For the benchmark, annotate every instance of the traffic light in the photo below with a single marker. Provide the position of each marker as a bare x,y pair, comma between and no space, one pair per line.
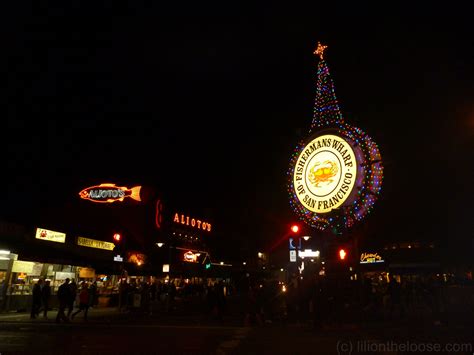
342,254
295,228
117,238
208,265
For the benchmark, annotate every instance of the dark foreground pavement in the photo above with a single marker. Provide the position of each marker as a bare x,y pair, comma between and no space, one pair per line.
188,329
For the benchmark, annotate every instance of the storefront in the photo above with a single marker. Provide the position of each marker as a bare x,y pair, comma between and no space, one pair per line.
38,253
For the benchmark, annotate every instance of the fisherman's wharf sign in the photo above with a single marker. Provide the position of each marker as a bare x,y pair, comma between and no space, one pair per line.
325,173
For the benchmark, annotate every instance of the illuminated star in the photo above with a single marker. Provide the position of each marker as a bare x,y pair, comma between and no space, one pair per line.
320,50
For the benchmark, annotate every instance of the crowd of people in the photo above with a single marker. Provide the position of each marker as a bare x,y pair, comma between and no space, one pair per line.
146,296
320,299
67,294
324,300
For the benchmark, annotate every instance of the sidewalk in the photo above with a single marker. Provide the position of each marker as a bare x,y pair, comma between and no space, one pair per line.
94,315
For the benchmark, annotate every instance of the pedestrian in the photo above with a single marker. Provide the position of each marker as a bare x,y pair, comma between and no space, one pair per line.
395,293
93,294
252,311
36,302
220,299
124,291
45,296
72,297
64,295
153,289
83,301
171,296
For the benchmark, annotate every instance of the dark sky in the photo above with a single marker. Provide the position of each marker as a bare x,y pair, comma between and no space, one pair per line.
206,103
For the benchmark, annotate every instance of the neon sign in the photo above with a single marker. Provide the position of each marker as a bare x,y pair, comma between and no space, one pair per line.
188,221
370,258
108,193
191,257
159,214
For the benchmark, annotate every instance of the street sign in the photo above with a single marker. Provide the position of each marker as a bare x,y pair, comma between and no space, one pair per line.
292,245
292,256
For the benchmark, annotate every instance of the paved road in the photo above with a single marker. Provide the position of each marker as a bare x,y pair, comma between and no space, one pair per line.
122,337
184,331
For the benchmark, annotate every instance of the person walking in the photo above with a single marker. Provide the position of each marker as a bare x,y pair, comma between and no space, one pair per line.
36,303
220,300
64,295
45,296
72,297
83,301
93,294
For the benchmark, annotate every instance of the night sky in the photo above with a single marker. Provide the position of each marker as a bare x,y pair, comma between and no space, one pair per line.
206,103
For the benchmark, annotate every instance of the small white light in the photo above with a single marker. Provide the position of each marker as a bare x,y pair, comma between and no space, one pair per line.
160,244
244,263
281,270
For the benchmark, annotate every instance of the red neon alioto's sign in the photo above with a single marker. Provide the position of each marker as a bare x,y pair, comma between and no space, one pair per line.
108,193
193,222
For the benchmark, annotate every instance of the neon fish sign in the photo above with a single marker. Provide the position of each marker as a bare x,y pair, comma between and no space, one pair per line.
108,193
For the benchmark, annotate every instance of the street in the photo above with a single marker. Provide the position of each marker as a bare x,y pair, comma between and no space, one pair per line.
110,332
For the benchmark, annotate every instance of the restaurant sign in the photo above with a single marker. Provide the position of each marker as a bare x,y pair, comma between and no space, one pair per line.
23,266
191,257
51,236
370,258
108,193
92,243
192,222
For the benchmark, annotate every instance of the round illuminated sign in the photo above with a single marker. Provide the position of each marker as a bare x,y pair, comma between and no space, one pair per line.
325,173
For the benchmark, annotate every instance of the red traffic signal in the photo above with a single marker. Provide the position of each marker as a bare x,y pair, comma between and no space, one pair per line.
342,254
117,237
295,228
